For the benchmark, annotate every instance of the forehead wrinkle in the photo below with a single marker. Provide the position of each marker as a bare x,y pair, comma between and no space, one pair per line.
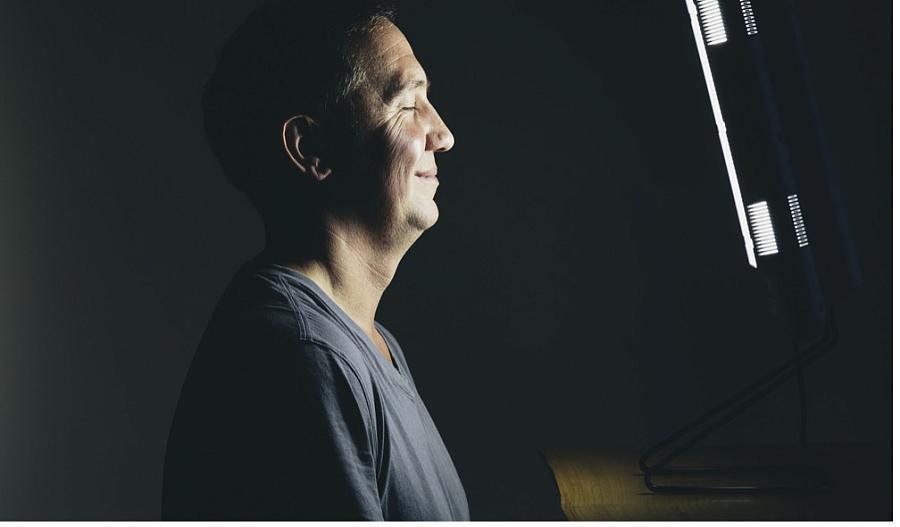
370,54
390,79
400,40
401,57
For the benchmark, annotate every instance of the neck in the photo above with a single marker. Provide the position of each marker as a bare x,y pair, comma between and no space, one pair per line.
352,266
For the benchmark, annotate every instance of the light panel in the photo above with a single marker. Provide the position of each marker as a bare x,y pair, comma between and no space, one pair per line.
797,218
763,231
712,22
723,133
749,18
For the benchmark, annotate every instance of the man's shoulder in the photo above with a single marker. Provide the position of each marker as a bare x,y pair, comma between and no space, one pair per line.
271,299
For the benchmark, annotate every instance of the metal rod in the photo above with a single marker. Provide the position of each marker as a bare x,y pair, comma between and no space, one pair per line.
748,391
738,404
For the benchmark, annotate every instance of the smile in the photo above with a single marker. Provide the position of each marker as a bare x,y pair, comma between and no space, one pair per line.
430,176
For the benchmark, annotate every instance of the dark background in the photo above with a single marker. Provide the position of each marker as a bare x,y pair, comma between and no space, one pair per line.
586,285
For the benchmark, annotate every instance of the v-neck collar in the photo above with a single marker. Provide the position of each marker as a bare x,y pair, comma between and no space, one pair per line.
393,372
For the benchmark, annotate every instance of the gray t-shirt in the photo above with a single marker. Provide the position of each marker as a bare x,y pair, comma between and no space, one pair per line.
289,411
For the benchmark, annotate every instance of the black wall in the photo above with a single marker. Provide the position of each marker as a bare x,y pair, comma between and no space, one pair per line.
585,286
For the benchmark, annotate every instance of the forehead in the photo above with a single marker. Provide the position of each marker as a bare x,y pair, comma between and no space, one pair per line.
390,57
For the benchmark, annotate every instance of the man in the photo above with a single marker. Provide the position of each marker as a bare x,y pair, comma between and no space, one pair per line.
298,404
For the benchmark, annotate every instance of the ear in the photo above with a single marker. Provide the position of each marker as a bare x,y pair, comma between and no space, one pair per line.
302,141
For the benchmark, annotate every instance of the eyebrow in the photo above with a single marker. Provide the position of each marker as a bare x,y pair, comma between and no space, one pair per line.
398,85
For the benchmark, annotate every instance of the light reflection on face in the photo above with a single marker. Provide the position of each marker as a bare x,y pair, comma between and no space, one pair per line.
400,133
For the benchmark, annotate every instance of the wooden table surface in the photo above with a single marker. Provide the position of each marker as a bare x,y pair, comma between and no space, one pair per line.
608,485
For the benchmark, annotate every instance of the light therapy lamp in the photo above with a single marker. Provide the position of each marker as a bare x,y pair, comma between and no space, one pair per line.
785,193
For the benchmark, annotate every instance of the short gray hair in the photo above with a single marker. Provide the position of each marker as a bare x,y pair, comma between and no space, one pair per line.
286,58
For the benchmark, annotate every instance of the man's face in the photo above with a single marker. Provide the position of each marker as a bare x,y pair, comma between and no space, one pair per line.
400,133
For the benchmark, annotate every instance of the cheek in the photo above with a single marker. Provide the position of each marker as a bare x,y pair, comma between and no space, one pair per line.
406,145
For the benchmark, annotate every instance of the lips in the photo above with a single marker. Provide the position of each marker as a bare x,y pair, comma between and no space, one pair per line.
428,174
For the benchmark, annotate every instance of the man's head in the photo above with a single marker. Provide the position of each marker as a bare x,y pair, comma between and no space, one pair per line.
323,111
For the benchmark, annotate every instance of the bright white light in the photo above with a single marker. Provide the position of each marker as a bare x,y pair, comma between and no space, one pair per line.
712,22
797,217
763,231
749,18
723,134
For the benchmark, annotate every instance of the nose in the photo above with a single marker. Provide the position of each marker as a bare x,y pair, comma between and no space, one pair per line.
439,137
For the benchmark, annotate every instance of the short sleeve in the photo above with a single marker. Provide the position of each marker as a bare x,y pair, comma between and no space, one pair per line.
335,410
327,469
271,425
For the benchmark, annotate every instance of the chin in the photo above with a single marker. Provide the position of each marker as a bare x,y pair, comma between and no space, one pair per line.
425,219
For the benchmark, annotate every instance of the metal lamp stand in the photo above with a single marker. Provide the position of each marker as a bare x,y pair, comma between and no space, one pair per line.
692,433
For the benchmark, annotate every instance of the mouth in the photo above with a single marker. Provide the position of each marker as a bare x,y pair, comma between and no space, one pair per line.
430,175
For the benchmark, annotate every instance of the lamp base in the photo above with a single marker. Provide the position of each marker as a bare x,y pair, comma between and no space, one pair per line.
749,479
729,478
